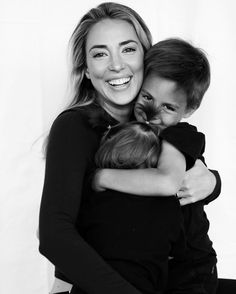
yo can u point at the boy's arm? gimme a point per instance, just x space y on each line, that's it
165 180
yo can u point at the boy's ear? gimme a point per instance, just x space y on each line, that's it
189 112
87 73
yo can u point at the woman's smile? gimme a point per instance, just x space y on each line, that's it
119 82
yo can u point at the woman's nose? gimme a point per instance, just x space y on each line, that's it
116 63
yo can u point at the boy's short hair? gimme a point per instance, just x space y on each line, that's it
179 61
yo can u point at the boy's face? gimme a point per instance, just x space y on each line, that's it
169 101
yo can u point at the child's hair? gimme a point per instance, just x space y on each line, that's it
179 61
129 145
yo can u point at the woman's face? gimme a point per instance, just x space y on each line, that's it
114 57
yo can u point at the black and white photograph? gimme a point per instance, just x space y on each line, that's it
117 153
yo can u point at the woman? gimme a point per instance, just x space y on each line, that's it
108 46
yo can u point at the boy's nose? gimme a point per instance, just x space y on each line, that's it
156 119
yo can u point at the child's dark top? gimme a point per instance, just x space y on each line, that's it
200 256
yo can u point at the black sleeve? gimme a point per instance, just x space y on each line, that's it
70 146
216 192
191 143
187 140
217 189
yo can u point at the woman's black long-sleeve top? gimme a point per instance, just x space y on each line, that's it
74 139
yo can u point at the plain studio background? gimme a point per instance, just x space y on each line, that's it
33 82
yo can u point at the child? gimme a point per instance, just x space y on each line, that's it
177 76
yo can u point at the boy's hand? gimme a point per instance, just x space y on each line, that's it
96 182
198 183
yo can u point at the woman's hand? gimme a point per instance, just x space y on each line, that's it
198 183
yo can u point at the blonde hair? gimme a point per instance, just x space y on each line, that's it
83 92
129 145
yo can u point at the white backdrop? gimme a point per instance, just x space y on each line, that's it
33 80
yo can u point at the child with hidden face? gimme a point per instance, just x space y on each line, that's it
172 257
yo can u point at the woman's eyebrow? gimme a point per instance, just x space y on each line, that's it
98 47
105 46
127 42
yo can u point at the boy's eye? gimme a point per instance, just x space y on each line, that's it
147 97
168 107
129 50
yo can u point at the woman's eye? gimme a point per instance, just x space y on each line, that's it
99 54
129 50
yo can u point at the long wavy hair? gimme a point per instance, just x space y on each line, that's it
82 90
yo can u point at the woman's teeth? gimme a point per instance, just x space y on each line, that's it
119 82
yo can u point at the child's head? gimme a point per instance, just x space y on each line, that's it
129 145
177 75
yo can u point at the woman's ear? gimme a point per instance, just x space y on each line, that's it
87 73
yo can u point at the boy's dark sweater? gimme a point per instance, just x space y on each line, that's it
196 222
200 252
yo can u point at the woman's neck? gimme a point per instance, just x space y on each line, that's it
119 112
